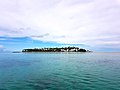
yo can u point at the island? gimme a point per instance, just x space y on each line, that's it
57 49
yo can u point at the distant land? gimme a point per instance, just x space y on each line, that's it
57 49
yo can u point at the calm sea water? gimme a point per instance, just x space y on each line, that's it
60 71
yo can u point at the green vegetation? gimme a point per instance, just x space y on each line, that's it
63 49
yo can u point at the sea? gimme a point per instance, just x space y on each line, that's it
60 71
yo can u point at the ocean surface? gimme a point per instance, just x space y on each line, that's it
60 71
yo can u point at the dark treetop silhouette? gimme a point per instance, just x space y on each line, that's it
63 49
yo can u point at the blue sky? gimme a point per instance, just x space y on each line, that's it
90 24
16 44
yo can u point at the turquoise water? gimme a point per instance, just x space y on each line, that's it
60 71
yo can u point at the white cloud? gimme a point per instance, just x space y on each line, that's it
1 48
65 21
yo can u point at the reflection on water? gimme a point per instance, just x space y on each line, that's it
60 71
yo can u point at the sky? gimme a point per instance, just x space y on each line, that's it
90 24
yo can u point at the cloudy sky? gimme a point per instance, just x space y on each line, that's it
91 24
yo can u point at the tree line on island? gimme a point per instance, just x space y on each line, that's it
57 49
